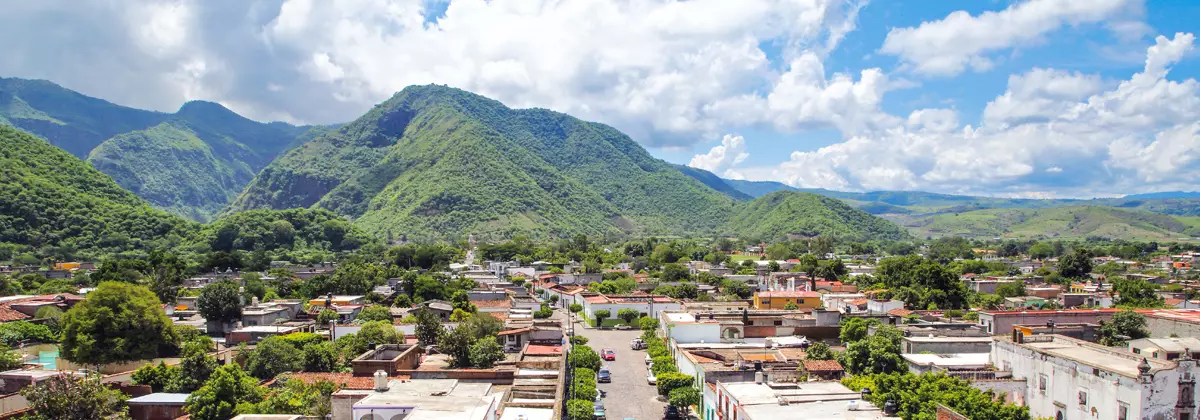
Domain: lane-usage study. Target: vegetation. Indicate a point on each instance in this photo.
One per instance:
(917, 396)
(220, 302)
(66, 396)
(1073, 222)
(779, 214)
(290, 229)
(1125, 325)
(118, 322)
(219, 399)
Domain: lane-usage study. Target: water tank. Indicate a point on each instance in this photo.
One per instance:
(852, 405)
(381, 381)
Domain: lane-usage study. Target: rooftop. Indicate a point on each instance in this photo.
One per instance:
(822, 366)
(344, 380)
(943, 339)
(1107, 359)
(787, 294)
(956, 360)
(159, 398)
(433, 399)
(1174, 345)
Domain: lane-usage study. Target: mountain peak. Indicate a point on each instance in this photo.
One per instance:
(203, 108)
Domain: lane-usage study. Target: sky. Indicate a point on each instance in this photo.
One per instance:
(1033, 98)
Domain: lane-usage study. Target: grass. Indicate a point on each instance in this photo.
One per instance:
(743, 257)
(609, 322)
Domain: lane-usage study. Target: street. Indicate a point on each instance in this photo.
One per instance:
(629, 396)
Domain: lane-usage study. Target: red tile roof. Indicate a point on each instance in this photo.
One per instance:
(502, 316)
(516, 331)
(342, 380)
(537, 349)
(596, 299)
(900, 312)
(822, 366)
(491, 303)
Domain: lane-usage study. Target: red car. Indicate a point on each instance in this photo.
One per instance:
(608, 354)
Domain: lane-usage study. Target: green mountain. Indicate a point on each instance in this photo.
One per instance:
(1062, 222)
(68, 119)
(785, 213)
(715, 182)
(757, 189)
(435, 162)
(194, 163)
(49, 198)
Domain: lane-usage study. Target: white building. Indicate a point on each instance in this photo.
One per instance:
(443, 399)
(645, 305)
(1166, 348)
(837, 301)
(1072, 379)
(877, 307)
(808, 400)
(684, 328)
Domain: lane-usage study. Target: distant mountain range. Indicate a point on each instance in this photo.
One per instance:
(192, 163)
(434, 162)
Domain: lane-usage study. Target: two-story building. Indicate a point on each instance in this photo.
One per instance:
(781, 299)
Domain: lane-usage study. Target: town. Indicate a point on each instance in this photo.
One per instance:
(740, 335)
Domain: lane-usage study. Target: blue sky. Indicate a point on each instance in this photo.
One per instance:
(1031, 98)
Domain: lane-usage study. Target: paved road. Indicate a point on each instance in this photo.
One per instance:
(629, 396)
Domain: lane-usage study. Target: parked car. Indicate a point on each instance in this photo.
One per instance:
(598, 411)
(649, 359)
(608, 354)
(671, 413)
(637, 344)
(650, 378)
(604, 376)
(624, 327)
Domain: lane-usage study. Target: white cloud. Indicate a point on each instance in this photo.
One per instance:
(1139, 132)
(722, 158)
(958, 41)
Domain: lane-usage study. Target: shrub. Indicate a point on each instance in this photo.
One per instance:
(668, 382)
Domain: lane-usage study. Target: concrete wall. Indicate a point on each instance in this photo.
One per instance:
(695, 333)
(945, 347)
(155, 412)
(1164, 327)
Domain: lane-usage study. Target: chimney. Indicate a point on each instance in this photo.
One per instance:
(758, 377)
(381, 381)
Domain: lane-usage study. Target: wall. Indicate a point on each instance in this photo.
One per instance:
(945, 347)
(155, 412)
(1164, 327)
(1002, 323)
(695, 333)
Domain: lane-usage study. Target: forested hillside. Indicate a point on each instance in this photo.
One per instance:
(194, 163)
(437, 162)
(1077, 222)
(49, 198)
(783, 213)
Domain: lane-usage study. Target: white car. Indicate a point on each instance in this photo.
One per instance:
(650, 378)
(649, 360)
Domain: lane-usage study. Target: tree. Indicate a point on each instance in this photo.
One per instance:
(320, 357)
(1136, 293)
(628, 315)
(808, 265)
(456, 343)
(167, 272)
(326, 316)
(428, 328)
(219, 302)
(157, 377)
(791, 306)
(378, 333)
(686, 291)
(674, 272)
(66, 397)
(1125, 325)
(1076, 265)
(601, 315)
(1041, 250)
(118, 322)
(584, 357)
(853, 329)
(580, 409)
(297, 397)
(918, 396)
(670, 381)
(818, 351)
(736, 288)
(1011, 289)
(575, 308)
(194, 369)
(875, 354)
(485, 353)
(219, 397)
(683, 398)
(773, 266)
(374, 313)
(272, 357)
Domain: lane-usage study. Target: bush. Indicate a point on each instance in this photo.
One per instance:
(664, 365)
(668, 382)
(584, 357)
(575, 308)
(13, 333)
(647, 323)
(579, 340)
(579, 409)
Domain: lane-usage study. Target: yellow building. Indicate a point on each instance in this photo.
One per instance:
(64, 266)
(780, 299)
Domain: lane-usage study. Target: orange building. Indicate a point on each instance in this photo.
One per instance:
(780, 299)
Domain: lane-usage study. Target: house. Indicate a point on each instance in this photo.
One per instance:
(945, 344)
(388, 358)
(440, 308)
(769, 401)
(1078, 331)
(1166, 348)
(1072, 379)
(1002, 322)
(780, 300)
(825, 370)
(646, 305)
(256, 333)
(838, 301)
(157, 406)
(881, 307)
(24, 307)
(340, 300)
(961, 365)
(516, 338)
(443, 399)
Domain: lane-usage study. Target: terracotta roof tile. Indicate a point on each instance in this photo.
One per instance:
(788, 293)
(342, 380)
(900, 312)
(822, 366)
(535, 349)
(491, 303)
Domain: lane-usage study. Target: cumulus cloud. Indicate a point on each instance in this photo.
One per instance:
(722, 158)
(949, 46)
(1048, 124)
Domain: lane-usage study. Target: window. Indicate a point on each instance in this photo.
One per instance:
(1042, 384)
(1083, 397)
(1122, 411)
(777, 323)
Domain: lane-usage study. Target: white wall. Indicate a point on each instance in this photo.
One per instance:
(409, 330)
(695, 333)
(642, 307)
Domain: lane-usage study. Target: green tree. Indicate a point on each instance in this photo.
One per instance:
(1136, 293)
(378, 333)
(818, 351)
(853, 329)
(674, 272)
(875, 354)
(297, 397)
(67, 397)
(320, 357)
(1011, 289)
(429, 329)
(579, 409)
(601, 315)
(456, 343)
(485, 353)
(791, 306)
(917, 396)
(773, 266)
(220, 302)
(584, 357)
(1076, 265)
(117, 322)
(222, 393)
(1125, 325)
(273, 356)
(628, 315)
(157, 377)
(670, 381)
(575, 308)
(1041, 250)
(326, 316)
(194, 368)
(167, 272)
(374, 313)
(684, 398)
